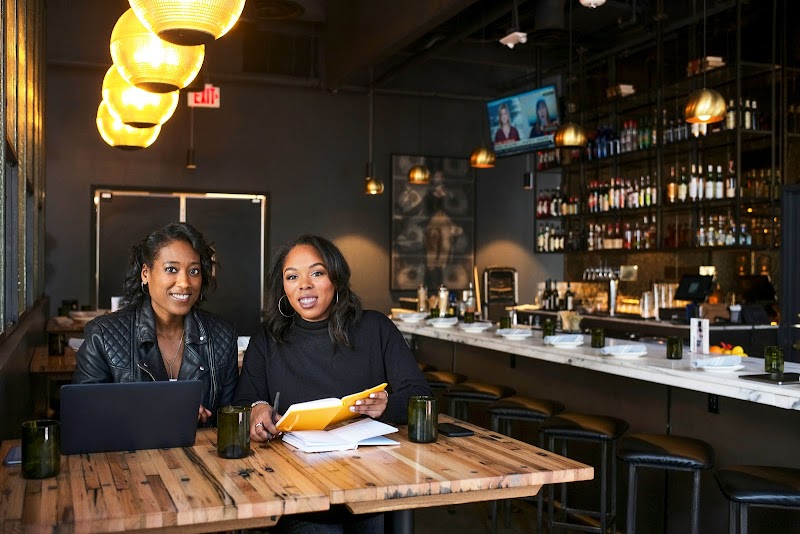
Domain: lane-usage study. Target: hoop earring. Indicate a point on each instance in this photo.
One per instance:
(281, 311)
(337, 297)
(144, 290)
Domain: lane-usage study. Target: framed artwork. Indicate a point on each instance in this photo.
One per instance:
(433, 225)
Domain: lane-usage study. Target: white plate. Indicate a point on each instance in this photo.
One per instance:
(516, 337)
(442, 322)
(627, 355)
(412, 317)
(475, 327)
(514, 333)
(567, 345)
(723, 368)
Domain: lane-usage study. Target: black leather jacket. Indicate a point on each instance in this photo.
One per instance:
(122, 347)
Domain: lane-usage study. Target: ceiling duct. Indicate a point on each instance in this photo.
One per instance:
(549, 24)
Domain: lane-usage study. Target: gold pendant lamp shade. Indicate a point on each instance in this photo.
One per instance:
(419, 175)
(372, 185)
(188, 22)
(122, 136)
(482, 158)
(136, 107)
(151, 63)
(705, 106)
(570, 135)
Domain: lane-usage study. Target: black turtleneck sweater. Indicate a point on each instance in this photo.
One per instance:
(309, 367)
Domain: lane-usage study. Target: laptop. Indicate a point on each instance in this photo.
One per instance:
(129, 416)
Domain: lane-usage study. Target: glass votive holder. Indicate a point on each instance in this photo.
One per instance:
(469, 317)
(505, 322)
(598, 338)
(41, 448)
(674, 348)
(548, 327)
(434, 312)
(423, 419)
(233, 431)
(773, 359)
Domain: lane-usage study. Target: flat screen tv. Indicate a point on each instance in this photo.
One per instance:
(523, 122)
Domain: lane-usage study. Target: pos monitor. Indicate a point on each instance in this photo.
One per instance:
(694, 287)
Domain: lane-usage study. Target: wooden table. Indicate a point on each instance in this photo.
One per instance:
(181, 490)
(193, 490)
(484, 467)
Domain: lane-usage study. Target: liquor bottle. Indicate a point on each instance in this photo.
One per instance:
(719, 184)
(569, 298)
(710, 187)
(748, 116)
(711, 238)
(554, 297)
(730, 185)
(754, 119)
(693, 185)
(546, 295)
(469, 308)
(701, 233)
(730, 116)
(672, 186)
(701, 183)
(683, 186)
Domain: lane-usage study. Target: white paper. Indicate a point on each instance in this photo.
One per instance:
(345, 437)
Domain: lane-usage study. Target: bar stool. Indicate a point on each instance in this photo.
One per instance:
(757, 485)
(425, 367)
(443, 379)
(461, 395)
(517, 408)
(599, 429)
(671, 453)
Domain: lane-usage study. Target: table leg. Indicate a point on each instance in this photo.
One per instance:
(400, 522)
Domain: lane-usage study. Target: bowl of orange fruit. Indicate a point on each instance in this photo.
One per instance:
(727, 349)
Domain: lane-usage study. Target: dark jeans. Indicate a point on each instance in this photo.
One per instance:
(337, 520)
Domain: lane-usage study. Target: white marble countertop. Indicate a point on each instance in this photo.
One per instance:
(653, 367)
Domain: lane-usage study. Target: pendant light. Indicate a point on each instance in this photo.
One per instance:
(372, 185)
(122, 136)
(570, 134)
(419, 175)
(188, 22)
(705, 106)
(482, 157)
(592, 3)
(136, 107)
(151, 63)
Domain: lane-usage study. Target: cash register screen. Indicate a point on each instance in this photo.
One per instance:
(694, 287)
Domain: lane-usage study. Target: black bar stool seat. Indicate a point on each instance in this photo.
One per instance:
(443, 379)
(601, 429)
(425, 367)
(517, 408)
(462, 394)
(661, 451)
(757, 485)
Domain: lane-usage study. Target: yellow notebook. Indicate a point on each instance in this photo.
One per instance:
(317, 414)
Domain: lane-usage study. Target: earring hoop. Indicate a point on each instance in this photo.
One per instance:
(337, 297)
(143, 288)
(281, 311)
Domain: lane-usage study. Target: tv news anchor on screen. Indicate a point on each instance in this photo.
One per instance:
(505, 133)
(544, 123)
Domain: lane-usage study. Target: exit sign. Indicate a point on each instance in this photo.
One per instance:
(207, 98)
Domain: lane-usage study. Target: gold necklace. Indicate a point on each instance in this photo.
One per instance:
(172, 361)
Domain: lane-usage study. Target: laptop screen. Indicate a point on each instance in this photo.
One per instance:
(129, 416)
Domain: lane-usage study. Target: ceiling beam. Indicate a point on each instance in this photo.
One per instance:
(361, 33)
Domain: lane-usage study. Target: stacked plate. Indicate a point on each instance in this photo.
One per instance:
(626, 352)
(443, 322)
(564, 341)
(719, 364)
(477, 326)
(412, 317)
(515, 333)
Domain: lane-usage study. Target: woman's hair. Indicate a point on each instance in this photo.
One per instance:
(502, 107)
(542, 104)
(346, 307)
(145, 252)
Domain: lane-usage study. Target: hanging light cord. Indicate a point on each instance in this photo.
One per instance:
(569, 81)
(705, 66)
(370, 128)
(515, 18)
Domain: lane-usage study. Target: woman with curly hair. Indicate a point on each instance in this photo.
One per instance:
(160, 334)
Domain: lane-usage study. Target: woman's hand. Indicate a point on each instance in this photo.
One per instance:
(373, 406)
(203, 414)
(262, 427)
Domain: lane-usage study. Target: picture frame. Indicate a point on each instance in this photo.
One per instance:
(433, 224)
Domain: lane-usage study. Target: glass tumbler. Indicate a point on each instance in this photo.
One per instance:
(233, 431)
(674, 348)
(41, 448)
(548, 327)
(773, 359)
(423, 419)
(598, 338)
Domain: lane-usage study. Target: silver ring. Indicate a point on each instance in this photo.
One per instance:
(259, 424)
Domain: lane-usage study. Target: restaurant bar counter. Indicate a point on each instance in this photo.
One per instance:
(746, 422)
